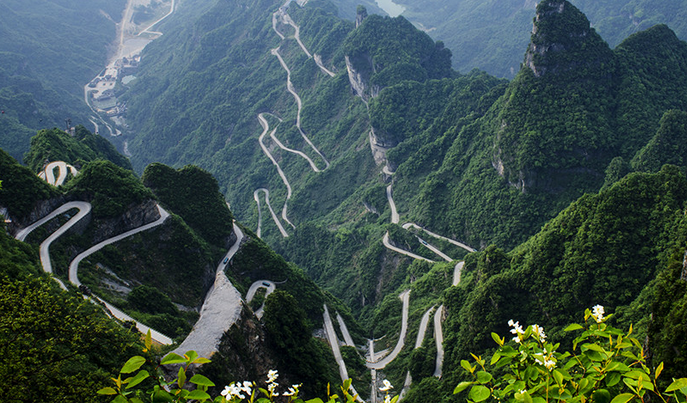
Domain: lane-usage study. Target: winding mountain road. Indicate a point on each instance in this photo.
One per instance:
(439, 340)
(269, 287)
(348, 340)
(48, 174)
(453, 241)
(457, 271)
(84, 209)
(281, 14)
(44, 251)
(388, 245)
(405, 297)
(299, 103)
(269, 207)
(394, 213)
(221, 309)
(261, 140)
(336, 350)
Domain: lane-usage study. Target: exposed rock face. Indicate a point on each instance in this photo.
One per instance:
(361, 14)
(135, 217)
(242, 353)
(560, 31)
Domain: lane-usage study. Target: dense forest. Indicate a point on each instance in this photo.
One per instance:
(357, 173)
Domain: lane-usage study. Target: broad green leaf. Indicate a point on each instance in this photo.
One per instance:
(592, 346)
(659, 369)
(315, 400)
(623, 398)
(483, 377)
(504, 361)
(479, 393)
(201, 360)
(461, 387)
(119, 399)
(508, 351)
(617, 366)
(601, 396)
(594, 355)
(133, 381)
(531, 374)
(107, 391)
(677, 384)
(495, 358)
(497, 339)
(198, 395)
(347, 384)
(148, 341)
(572, 327)
(133, 364)
(172, 358)
(558, 377)
(465, 364)
(181, 378)
(161, 396)
(612, 379)
(201, 380)
(191, 355)
(636, 374)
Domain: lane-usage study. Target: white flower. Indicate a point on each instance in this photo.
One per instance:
(387, 386)
(293, 390)
(232, 390)
(387, 399)
(247, 387)
(550, 364)
(539, 332)
(516, 330)
(598, 313)
(226, 391)
(272, 376)
(271, 387)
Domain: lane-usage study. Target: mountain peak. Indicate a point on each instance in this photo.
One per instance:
(562, 37)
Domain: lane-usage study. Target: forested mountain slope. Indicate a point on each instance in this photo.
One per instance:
(476, 159)
(489, 34)
(160, 276)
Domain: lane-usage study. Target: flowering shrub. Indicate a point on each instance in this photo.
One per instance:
(605, 366)
(128, 390)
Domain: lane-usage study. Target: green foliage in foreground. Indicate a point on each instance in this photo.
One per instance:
(57, 145)
(131, 388)
(111, 189)
(51, 344)
(609, 366)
